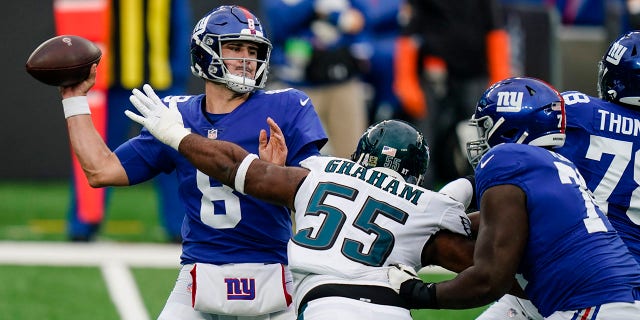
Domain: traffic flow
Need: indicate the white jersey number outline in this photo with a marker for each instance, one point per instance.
(569, 175)
(219, 220)
(622, 157)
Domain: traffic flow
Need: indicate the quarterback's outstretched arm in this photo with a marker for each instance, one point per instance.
(222, 160)
(100, 165)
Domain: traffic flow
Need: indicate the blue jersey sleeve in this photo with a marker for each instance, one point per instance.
(495, 168)
(144, 157)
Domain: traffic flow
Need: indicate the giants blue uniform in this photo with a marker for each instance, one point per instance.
(603, 141)
(223, 226)
(574, 259)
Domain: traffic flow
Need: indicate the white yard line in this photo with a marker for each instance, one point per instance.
(114, 260)
(124, 291)
(89, 254)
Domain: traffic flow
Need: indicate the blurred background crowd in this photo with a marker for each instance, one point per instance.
(360, 61)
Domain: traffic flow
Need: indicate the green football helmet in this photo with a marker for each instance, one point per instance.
(396, 145)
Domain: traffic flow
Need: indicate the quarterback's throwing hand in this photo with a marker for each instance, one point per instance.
(164, 123)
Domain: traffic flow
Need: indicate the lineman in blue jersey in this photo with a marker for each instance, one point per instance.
(353, 218)
(234, 246)
(602, 141)
(603, 137)
(537, 219)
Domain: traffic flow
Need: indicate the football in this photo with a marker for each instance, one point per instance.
(63, 60)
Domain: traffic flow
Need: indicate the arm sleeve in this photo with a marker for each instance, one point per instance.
(136, 157)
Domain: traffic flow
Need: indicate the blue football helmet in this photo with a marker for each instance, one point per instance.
(517, 110)
(395, 145)
(619, 71)
(227, 23)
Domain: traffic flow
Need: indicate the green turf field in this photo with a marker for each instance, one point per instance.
(74, 293)
(36, 212)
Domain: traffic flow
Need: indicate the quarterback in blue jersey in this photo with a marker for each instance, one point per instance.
(234, 250)
(538, 220)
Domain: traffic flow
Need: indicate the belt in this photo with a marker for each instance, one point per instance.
(367, 293)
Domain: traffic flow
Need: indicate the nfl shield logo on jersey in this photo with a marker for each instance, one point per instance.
(212, 134)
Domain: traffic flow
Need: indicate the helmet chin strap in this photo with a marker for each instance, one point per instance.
(523, 137)
(359, 160)
(239, 84)
(493, 127)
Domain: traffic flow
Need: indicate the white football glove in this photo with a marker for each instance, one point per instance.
(399, 273)
(164, 123)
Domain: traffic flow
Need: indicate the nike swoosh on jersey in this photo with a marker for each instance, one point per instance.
(304, 102)
(484, 163)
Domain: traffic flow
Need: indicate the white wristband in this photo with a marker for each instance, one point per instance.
(242, 172)
(75, 105)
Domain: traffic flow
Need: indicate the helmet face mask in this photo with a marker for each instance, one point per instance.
(394, 145)
(222, 25)
(619, 71)
(517, 110)
(477, 148)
